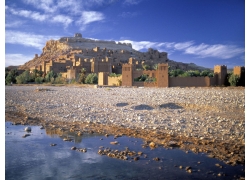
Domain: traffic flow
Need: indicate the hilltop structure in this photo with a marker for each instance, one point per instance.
(69, 55)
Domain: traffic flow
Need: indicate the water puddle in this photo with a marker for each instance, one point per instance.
(44, 154)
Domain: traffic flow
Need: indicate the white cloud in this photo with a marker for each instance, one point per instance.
(17, 59)
(219, 51)
(28, 14)
(46, 5)
(65, 20)
(27, 39)
(13, 24)
(62, 19)
(183, 45)
(89, 17)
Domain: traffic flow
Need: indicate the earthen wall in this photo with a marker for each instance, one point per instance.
(114, 81)
(190, 81)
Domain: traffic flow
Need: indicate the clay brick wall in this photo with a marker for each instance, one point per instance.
(71, 74)
(191, 81)
(150, 84)
(114, 80)
(103, 78)
(138, 83)
(103, 67)
(58, 67)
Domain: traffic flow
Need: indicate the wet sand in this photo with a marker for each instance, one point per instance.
(210, 120)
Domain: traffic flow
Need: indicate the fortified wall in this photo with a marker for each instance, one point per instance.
(129, 73)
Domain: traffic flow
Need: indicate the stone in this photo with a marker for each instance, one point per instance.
(27, 129)
(152, 145)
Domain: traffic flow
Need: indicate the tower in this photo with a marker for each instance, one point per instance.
(162, 75)
(220, 72)
(127, 75)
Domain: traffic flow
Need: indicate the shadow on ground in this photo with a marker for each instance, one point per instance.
(142, 107)
(171, 106)
(121, 104)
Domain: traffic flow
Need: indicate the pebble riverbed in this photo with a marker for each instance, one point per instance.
(213, 117)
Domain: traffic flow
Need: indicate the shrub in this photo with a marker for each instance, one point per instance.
(141, 78)
(81, 78)
(10, 76)
(175, 72)
(233, 79)
(91, 79)
(50, 76)
(145, 66)
(114, 75)
(23, 78)
(150, 79)
(60, 80)
(155, 66)
(39, 80)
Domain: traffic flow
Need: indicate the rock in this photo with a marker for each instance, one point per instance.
(136, 158)
(27, 129)
(156, 159)
(152, 145)
(73, 148)
(52, 144)
(114, 143)
(139, 153)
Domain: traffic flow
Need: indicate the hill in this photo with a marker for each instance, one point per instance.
(77, 47)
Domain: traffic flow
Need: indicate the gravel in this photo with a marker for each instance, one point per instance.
(205, 113)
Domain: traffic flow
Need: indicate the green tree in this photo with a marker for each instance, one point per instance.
(23, 78)
(233, 79)
(39, 80)
(82, 76)
(91, 79)
(11, 76)
(143, 77)
(175, 72)
(155, 66)
(36, 73)
(50, 76)
(204, 73)
(145, 67)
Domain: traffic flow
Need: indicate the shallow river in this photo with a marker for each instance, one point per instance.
(34, 158)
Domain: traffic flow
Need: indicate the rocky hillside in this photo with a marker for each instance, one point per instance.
(117, 51)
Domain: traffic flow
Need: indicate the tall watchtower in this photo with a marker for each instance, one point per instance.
(240, 71)
(220, 72)
(162, 75)
(127, 75)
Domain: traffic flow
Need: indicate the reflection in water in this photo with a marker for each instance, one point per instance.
(33, 158)
(52, 132)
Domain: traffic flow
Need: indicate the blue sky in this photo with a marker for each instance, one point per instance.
(204, 32)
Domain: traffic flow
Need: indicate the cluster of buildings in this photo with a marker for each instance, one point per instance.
(106, 57)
